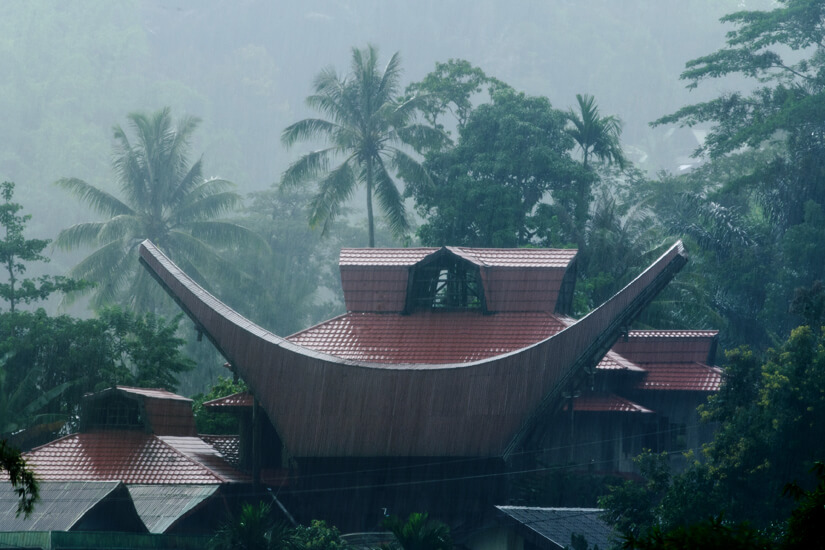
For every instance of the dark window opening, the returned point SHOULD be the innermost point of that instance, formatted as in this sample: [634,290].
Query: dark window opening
[116,413]
[446,283]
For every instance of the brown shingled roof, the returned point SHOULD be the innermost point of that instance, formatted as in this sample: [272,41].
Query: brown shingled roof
[427,337]
[131,457]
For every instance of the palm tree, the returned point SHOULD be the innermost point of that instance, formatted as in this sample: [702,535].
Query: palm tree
[164,199]
[419,532]
[597,137]
[366,126]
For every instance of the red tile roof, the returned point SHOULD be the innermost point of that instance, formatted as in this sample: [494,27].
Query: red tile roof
[427,337]
[240,399]
[681,377]
[131,457]
[150,392]
[614,361]
[606,402]
[498,257]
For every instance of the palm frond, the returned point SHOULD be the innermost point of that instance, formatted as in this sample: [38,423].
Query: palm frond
[334,190]
[118,228]
[80,234]
[99,200]
[390,200]
[227,234]
[308,167]
[209,206]
[308,129]
[409,168]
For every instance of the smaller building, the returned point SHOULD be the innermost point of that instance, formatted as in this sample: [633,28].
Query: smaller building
[139,448]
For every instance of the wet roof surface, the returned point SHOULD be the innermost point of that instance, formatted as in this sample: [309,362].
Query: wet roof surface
[681,377]
[427,337]
[606,402]
[131,457]
[557,525]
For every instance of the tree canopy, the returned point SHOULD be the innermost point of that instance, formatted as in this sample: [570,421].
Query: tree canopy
[165,199]
[366,128]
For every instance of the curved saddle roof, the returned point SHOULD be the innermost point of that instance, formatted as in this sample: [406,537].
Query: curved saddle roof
[326,406]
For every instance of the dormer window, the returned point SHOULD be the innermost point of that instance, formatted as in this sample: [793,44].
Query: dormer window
[445,283]
[115,412]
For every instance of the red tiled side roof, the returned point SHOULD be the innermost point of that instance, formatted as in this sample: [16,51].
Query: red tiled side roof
[491,257]
[667,346]
[606,402]
[517,257]
[681,377]
[386,257]
[152,392]
[427,337]
[240,399]
[131,457]
[614,361]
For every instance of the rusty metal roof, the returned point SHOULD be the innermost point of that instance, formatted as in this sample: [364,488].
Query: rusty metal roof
[681,377]
[161,506]
[427,337]
[606,402]
[131,457]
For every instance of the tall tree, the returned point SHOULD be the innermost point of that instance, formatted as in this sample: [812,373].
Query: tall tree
[598,138]
[366,126]
[165,199]
[16,250]
[487,190]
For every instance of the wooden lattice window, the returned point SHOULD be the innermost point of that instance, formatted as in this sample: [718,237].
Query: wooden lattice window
[446,283]
[116,413]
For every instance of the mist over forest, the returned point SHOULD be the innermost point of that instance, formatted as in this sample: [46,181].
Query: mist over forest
[620,129]
[74,70]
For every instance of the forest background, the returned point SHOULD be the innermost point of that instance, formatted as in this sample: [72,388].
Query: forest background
[737,174]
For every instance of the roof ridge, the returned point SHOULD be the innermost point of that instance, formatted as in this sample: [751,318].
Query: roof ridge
[215,474]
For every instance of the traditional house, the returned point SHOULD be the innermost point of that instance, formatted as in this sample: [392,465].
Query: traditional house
[451,367]
[136,454]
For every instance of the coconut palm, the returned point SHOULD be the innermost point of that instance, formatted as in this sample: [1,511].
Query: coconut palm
[164,199]
[597,136]
[366,127]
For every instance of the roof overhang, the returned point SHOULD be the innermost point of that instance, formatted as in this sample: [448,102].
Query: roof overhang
[324,406]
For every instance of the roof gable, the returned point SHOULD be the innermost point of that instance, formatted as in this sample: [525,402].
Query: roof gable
[522,279]
[131,457]
[152,410]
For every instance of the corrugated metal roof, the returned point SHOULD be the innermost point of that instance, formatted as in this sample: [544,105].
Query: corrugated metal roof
[131,457]
[681,377]
[160,506]
[557,525]
[61,504]
[492,257]
[606,402]
[427,337]
[240,399]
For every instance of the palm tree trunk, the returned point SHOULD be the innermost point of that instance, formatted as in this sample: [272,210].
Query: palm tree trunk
[369,205]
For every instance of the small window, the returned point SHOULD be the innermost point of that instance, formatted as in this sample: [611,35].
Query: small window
[446,283]
[116,413]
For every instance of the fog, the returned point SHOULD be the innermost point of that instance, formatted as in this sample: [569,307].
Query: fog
[73,70]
